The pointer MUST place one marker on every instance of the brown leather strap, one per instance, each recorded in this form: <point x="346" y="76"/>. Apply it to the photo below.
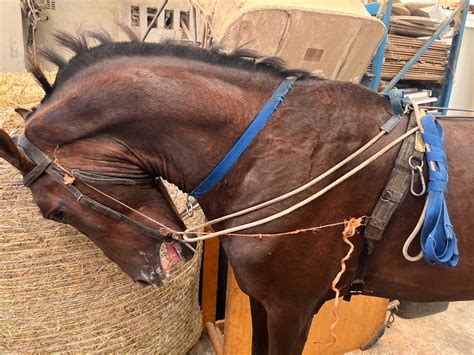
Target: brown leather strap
<point x="396" y="188"/>
<point x="392" y="196"/>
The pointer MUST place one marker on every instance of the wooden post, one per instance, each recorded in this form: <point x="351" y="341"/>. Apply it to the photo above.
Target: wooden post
<point x="210" y="265"/>
<point x="238" y="324"/>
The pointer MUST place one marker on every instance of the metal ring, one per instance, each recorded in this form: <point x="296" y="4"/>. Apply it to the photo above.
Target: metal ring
<point x="413" y="166"/>
<point x="189" y="208"/>
<point x="386" y="196"/>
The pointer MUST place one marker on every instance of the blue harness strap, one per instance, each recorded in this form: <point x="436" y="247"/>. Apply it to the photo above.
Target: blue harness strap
<point x="438" y="240"/>
<point x="245" y="139"/>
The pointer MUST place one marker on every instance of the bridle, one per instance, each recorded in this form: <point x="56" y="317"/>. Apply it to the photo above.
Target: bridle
<point x="44" y="165"/>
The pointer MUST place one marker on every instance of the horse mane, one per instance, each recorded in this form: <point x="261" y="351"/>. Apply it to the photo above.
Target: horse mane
<point x="84" y="56"/>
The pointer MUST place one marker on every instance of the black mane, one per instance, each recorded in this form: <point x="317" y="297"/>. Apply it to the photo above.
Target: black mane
<point x="85" y="56"/>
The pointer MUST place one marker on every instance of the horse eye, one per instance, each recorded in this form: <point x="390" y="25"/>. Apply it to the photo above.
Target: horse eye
<point x="57" y="216"/>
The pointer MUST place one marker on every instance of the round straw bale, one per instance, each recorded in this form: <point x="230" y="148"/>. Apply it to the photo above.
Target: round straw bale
<point x="59" y="293"/>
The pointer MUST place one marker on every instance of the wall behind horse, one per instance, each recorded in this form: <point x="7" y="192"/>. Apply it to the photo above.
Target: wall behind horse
<point x="90" y="14"/>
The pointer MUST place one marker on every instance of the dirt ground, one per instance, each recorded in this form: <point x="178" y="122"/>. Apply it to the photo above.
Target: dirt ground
<point x="449" y="332"/>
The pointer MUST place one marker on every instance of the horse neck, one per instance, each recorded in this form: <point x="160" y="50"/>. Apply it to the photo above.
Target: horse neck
<point x="180" y="121"/>
<point x="203" y="117"/>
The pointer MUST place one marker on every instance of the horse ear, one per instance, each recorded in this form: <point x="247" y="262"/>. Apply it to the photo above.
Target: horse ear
<point x="22" y="112"/>
<point x="10" y="152"/>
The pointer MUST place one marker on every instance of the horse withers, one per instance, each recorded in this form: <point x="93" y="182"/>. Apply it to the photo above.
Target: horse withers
<point x="134" y="111"/>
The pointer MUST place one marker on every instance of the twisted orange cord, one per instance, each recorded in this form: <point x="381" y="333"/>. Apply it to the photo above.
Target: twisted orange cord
<point x="349" y="231"/>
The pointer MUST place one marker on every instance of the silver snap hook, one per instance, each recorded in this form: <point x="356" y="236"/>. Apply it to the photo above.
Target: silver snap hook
<point x="416" y="166"/>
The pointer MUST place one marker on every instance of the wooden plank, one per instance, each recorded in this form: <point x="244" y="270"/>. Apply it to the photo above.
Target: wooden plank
<point x="430" y="67"/>
<point x="238" y="323"/>
<point x="210" y="264"/>
<point x="358" y="321"/>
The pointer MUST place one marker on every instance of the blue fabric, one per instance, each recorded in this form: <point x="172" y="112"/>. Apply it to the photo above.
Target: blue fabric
<point x="438" y="239"/>
<point x="244" y="141"/>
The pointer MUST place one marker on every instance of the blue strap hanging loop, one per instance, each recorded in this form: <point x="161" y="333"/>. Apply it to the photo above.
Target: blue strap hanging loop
<point x="438" y="239"/>
<point x="244" y="141"/>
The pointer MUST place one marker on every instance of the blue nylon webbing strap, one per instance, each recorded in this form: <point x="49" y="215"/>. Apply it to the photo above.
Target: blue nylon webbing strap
<point x="245" y="139"/>
<point x="438" y="239"/>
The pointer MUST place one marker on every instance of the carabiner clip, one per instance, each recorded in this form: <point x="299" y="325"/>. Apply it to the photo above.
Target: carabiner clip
<point x="417" y="170"/>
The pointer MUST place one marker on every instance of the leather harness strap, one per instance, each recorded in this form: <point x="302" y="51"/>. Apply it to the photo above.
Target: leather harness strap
<point x="392" y="196"/>
<point x="396" y="188"/>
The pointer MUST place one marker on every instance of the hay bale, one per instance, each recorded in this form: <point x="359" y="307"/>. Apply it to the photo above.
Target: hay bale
<point x="59" y="293"/>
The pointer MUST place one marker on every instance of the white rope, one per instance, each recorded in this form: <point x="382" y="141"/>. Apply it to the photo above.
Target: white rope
<point x="446" y="108"/>
<point x="293" y="192"/>
<point x="305" y="201"/>
<point x="413" y="235"/>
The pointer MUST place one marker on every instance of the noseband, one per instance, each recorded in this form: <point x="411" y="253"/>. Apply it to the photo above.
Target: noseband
<point x="44" y="165"/>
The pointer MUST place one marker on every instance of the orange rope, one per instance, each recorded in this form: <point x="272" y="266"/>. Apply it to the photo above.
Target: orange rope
<point x="349" y="231"/>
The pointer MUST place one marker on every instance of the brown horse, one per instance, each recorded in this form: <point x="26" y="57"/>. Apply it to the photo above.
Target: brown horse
<point x="137" y="110"/>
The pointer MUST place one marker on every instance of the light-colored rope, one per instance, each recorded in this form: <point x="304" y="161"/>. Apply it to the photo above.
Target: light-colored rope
<point x="412" y="236"/>
<point x="293" y="192"/>
<point x="305" y="201"/>
<point x="446" y="108"/>
<point x="419" y="224"/>
<point x="231" y="231"/>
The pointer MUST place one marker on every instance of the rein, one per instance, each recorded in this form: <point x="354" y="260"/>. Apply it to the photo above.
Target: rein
<point x="66" y="178"/>
<point x="45" y="165"/>
<point x="54" y="168"/>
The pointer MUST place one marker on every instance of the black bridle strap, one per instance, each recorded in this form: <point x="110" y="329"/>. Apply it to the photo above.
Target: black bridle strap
<point x="87" y="202"/>
<point x="45" y="165"/>
<point x="42" y="161"/>
<point x="99" y="179"/>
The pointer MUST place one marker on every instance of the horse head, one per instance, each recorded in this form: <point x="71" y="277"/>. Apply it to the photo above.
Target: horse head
<point x="135" y="251"/>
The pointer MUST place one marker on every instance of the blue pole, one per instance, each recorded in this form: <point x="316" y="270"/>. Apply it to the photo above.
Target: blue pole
<point x="453" y="58"/>
<point x="422" y="50"/>
<point x="376" y="69"/>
